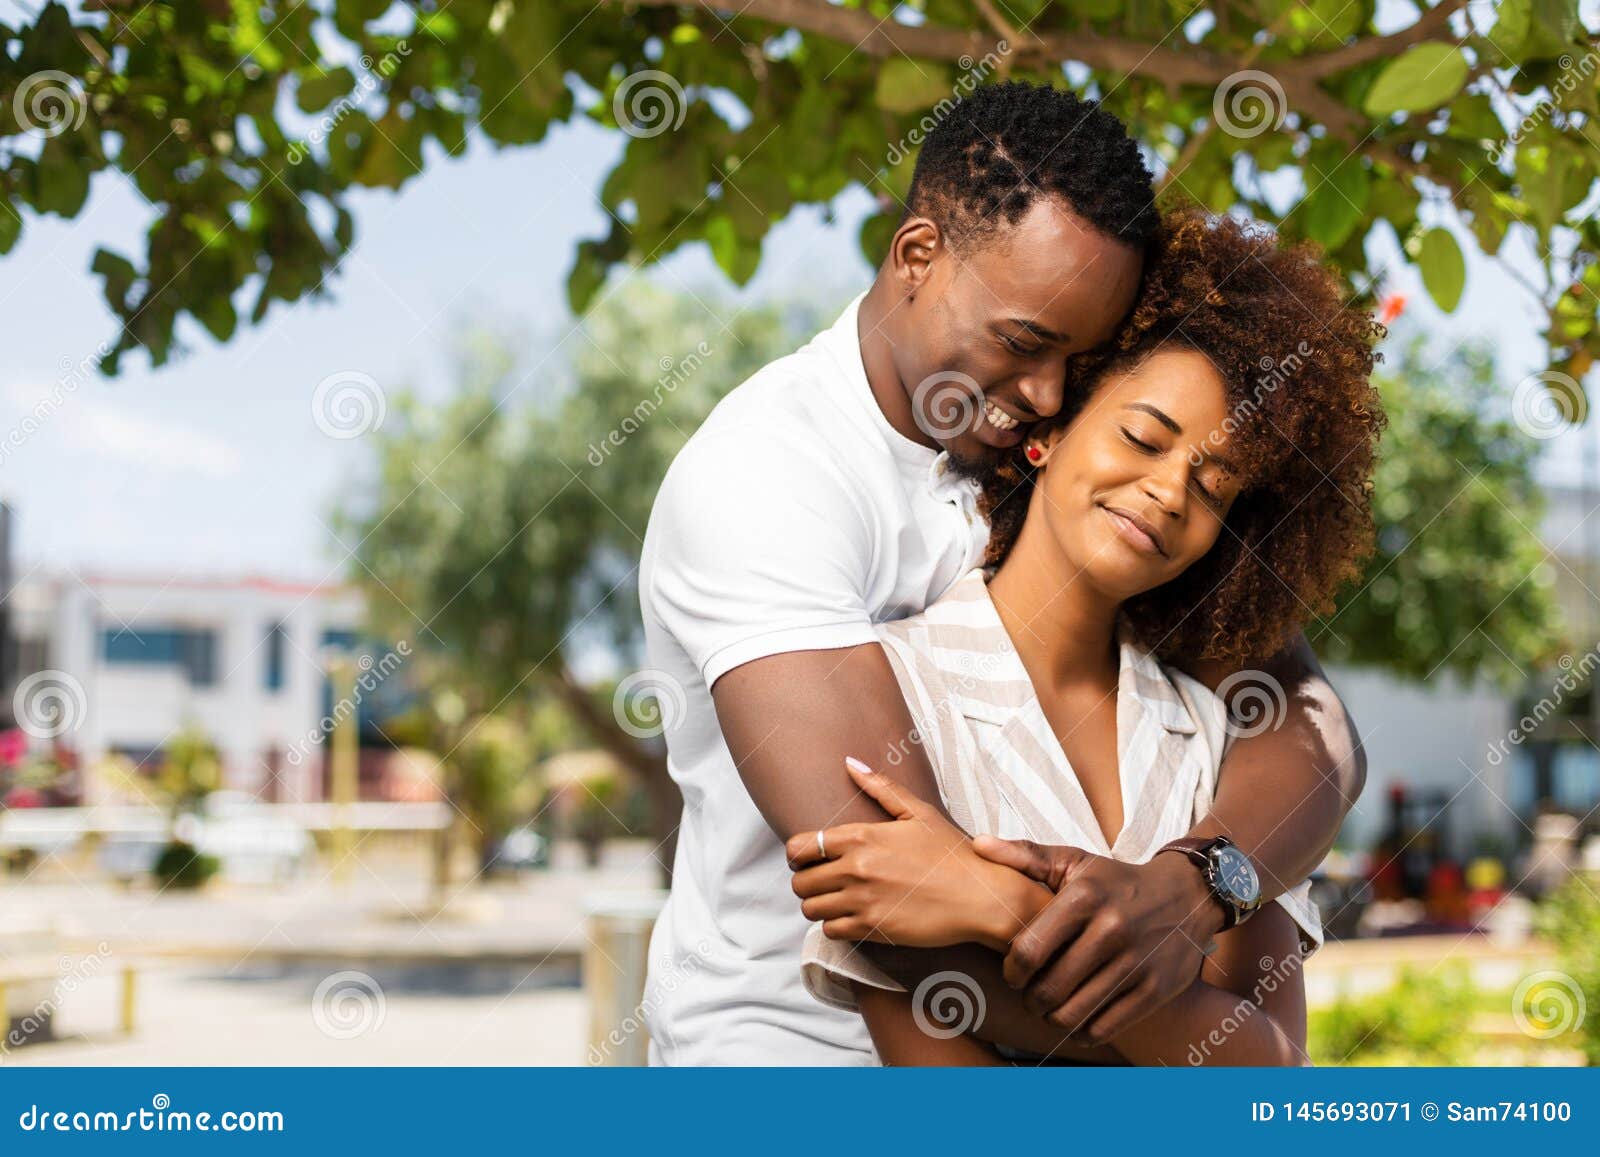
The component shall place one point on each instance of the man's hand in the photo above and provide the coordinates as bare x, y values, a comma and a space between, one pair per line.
914, 881
1118, 941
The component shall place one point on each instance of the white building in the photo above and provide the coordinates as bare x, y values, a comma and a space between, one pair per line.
244, 660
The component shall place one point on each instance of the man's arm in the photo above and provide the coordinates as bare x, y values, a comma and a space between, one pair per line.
1120, 940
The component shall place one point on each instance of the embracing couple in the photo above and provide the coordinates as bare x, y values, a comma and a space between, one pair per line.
961, 594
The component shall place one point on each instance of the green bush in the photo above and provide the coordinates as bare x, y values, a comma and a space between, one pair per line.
1570, 918
1422, 1020
181, 865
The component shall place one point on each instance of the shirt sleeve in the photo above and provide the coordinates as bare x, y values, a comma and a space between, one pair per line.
760, 547
827, 968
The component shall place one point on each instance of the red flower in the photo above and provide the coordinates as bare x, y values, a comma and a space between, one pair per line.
1391, 307
13, 746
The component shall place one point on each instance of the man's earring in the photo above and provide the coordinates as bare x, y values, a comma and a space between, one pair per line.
1034, 454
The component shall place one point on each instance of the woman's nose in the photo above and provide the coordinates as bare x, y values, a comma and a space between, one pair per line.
1168, 488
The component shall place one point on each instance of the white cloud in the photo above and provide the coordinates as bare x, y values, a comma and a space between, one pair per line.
84, 423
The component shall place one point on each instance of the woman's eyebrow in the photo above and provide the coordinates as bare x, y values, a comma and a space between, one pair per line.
1156, 414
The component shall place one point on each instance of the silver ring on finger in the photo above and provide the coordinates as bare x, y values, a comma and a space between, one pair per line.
822, 848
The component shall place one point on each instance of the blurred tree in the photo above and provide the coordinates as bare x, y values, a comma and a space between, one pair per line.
503, 538
1459, 582
247, 124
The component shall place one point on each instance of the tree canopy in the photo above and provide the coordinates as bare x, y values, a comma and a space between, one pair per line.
1460, 581
247, 125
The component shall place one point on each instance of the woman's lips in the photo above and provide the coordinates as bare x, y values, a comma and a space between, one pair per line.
1136, 532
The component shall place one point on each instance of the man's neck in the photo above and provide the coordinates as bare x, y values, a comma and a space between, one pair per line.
875, 325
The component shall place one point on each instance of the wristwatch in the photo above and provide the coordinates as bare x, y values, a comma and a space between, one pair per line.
1229, 874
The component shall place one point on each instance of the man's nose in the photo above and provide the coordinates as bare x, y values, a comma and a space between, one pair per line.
1042, 388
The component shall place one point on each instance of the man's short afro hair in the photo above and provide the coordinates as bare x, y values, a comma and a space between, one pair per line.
1007, 144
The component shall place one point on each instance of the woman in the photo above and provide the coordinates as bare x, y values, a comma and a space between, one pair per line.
1205, 500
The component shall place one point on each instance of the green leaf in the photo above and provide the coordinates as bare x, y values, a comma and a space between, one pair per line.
1511, 26
217, 315
1423, 76
1444, 270
738, 259
318, 92
116, 271
10, 225
587, 276
1337, 201
61, 181
907, 86
1472, 118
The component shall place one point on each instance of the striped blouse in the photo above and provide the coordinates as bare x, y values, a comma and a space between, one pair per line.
1002, 771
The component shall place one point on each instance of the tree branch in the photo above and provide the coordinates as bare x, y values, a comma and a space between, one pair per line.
1200, 67
881, 38
1428, 25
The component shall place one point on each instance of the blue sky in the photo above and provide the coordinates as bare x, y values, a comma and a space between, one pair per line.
214, 465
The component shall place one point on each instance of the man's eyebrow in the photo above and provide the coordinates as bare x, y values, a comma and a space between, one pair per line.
1156, 414
1039, 331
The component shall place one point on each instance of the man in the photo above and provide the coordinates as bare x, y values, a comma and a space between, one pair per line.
832, 491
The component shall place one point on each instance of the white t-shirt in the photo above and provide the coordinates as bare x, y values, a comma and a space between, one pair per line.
793, 520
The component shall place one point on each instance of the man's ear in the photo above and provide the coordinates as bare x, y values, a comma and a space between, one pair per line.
911, 253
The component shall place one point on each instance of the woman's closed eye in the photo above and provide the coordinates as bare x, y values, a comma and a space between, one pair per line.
1139, 443
1210, 497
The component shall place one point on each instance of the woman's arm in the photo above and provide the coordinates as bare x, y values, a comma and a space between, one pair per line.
901, 1041
1247, 1008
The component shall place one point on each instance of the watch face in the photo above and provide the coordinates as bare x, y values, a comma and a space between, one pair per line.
1236, 874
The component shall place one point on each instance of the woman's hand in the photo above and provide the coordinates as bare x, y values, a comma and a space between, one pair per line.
913, 881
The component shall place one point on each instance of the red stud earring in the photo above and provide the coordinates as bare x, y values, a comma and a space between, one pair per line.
1034, 453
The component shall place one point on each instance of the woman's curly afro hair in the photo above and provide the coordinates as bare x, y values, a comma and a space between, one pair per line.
1303, 427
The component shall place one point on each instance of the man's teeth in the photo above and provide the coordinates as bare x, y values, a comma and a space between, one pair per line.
998, 418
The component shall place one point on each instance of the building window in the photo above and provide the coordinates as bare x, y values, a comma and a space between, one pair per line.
193, 650
277, 639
